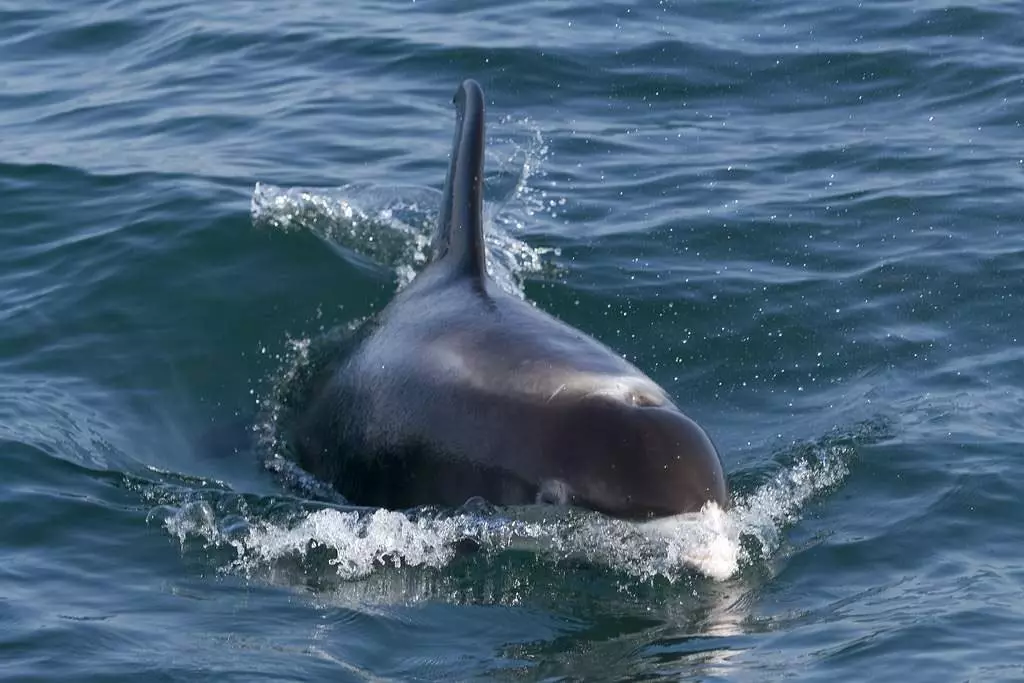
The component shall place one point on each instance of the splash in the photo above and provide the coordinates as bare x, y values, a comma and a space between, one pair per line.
350, 544
763, 514
392, 226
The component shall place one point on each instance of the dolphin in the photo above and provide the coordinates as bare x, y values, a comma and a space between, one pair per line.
459, 390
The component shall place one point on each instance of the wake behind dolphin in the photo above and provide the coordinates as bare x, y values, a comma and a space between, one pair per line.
457, 389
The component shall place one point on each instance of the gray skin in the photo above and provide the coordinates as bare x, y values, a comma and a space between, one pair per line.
457, 389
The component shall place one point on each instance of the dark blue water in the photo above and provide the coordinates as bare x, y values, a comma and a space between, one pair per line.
804, 220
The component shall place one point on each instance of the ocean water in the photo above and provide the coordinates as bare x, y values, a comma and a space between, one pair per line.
805, 220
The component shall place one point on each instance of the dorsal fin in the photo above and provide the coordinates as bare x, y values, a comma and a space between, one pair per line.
459, 239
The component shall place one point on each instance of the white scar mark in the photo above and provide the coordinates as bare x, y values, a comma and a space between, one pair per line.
556, 393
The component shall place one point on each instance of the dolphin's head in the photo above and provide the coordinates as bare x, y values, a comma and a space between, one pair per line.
635, 457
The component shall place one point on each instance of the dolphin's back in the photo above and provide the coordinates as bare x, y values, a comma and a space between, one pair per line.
458, 389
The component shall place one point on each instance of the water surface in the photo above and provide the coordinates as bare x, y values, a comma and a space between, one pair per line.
803, 221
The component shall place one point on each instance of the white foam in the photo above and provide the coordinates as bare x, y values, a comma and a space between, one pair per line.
359, 543
362, 543
708, 541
